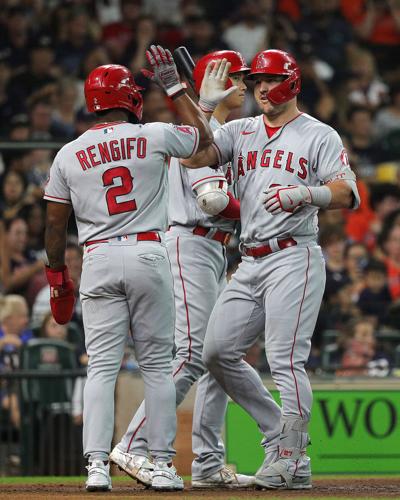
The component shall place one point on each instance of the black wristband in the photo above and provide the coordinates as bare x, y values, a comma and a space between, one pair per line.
178, 94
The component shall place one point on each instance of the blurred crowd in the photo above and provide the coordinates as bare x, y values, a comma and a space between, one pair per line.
348, 53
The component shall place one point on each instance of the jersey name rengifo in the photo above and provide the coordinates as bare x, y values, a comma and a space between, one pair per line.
115, 176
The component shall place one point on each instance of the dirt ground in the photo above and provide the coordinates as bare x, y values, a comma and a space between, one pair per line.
323, 488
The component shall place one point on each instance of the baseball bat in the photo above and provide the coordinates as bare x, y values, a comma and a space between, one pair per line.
185, 64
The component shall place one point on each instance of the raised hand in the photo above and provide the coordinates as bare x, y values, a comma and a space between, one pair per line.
164, 70
213, 88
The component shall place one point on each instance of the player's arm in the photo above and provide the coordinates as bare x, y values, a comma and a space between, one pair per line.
337, 194
213, 197
57, 216
62, 296
166, 75
339, 189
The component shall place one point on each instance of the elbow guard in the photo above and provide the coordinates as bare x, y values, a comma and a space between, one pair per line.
212, 196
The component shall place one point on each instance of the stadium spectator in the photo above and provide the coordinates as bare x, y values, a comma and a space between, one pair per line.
64, 113
360, 134
116, 36
6, 109
365, 87
36, 81
385, 199
356, 260
201, 37
13, 193
16, 36
359, 348
249, 34
79, 41
18, 128
14, 332
50, 329
374, 299
323, 31
22, 273
376, 22
14, 317
40, 123
34, 217
156, 107
333, 241
41, 306
316, 97
390, 241
362, 354
145, 34
388, 118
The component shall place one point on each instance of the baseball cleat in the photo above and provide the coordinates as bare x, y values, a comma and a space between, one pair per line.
165, 478
98, 476
224, 478
136, 466
277, 477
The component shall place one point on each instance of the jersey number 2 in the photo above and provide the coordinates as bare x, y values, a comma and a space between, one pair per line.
114, 206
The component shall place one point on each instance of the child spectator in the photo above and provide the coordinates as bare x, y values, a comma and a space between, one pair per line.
14, 318
375, 298
13, 334
52, 330
360, 356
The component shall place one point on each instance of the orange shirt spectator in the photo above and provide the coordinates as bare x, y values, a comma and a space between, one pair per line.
376, 22
359, 221
391, 246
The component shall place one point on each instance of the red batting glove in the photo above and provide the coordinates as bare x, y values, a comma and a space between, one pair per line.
62, 294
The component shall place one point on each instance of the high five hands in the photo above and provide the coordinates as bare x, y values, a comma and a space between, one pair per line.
213, 88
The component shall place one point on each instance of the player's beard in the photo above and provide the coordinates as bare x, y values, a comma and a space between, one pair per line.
274, 110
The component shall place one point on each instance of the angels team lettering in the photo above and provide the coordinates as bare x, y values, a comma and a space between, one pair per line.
279, 159
124, 148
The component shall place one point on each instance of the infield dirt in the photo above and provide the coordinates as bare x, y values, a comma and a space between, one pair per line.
364, 488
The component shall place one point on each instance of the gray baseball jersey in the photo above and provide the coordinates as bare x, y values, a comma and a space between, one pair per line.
115, 176
303, 152
183, 209
281, 291
198, 267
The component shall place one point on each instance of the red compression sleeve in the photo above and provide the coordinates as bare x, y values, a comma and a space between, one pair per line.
232, 210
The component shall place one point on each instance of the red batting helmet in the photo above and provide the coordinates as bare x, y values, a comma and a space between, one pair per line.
113, 86
235, 58
278, 62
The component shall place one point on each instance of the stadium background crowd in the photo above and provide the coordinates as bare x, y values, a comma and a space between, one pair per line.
348, 52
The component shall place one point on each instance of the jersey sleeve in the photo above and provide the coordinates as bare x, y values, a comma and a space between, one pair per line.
332, 161
56, 188
224, 143
181, 141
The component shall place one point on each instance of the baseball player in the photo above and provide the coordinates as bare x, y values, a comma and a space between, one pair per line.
286, 165
114, 176
199, 213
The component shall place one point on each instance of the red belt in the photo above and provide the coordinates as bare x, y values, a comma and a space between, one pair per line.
264, 250
221, 236
149, 236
